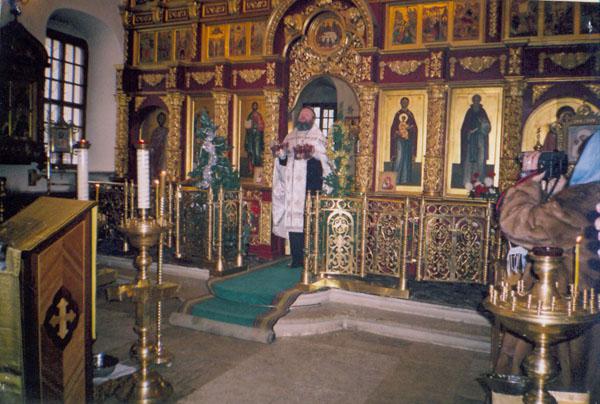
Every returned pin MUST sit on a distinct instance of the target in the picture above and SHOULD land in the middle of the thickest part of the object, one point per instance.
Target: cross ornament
(63, 319)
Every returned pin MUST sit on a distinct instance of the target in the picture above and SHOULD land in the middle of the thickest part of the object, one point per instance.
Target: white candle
(83, 191)
(143, 176)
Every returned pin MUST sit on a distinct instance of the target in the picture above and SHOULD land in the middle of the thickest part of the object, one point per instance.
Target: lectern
(46, 303)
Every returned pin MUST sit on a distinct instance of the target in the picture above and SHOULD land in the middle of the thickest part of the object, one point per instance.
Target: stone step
(335, 310)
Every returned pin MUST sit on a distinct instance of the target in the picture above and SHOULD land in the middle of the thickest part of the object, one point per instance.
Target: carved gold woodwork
(251, 75)
(172, 78)
(511, 137)
(174, 102)
(358, 18)
(400, 67)
(367, 98)
(433, 65)
(307, 64)
(538, 90)
(271, 73)
(119, 77)
(477, 64)
(151, 79)
(194, 35)
(566, 60)
(434, 155)
(493, 10)
(503, 64)
(514, 60)
(122, 140)
(201, 78)
(453, 66)
(272, 106)
(594, 88)
(234, 75)
(139, 100)
(219, 76)
(446, 257)
(264, 230)
(233, 6)
(222, 99)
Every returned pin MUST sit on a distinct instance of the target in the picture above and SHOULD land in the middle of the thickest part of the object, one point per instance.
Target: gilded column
(222, 99)
(511, 136)
(122, 139)
(433, 183)
(174, 155)
(272, 106)
(367, 97)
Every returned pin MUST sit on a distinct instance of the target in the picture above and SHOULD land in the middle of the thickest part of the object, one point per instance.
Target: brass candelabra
(145, 385)
(543, 316)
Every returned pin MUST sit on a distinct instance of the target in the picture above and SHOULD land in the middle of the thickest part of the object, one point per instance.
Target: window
(324, 115)
(65, 87)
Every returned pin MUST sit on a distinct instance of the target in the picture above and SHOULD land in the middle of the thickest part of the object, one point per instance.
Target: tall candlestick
(83, 191)
(577, 251)
(143, 175)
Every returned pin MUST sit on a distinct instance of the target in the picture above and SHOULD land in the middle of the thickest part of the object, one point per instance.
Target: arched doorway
(331, 98)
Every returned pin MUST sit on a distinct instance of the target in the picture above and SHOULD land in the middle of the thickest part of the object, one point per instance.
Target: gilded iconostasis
(442, 93)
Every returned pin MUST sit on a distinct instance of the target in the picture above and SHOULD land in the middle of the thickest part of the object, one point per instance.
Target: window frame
(65, 39)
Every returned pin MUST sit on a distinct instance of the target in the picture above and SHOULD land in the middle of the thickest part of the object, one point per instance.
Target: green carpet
(255, 298)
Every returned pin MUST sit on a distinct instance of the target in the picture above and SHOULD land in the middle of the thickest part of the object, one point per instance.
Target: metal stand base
(150, 389)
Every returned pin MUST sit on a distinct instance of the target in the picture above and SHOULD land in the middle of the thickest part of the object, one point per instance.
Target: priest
(300, 166)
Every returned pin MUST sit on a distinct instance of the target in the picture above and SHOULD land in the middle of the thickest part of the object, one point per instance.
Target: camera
(553, 164)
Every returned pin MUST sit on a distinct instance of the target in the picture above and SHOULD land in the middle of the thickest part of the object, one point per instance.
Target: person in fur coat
(528, 219)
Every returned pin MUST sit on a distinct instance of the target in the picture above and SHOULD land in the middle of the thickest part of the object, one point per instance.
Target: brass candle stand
(544, 317)
(145, 385)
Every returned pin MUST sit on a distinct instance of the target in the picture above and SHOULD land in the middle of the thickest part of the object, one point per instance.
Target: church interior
(140, 179)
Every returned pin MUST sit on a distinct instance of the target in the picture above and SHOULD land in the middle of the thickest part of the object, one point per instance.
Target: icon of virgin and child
(403, 145)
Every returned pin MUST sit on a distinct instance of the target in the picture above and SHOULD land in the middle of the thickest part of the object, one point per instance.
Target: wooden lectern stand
(46, 299)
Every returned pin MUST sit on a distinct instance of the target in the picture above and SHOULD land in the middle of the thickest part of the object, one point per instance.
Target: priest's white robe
(289, 181)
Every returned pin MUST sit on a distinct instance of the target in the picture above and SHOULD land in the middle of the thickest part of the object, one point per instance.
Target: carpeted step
(259, 287)
(228, 311)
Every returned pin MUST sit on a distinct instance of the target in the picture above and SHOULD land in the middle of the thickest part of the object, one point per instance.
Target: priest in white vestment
(300, 166)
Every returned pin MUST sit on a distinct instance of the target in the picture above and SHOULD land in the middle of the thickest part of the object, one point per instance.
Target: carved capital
(433, 65)
(271, 73)
(219, 76)
(272, 106)
(514, 60)
(122, 139)
(172, 78)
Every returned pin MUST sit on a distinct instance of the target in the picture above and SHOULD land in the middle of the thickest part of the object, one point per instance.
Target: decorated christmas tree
(340, 151)
(212, 167)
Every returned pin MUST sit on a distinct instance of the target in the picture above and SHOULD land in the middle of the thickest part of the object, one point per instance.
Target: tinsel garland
(212, 167)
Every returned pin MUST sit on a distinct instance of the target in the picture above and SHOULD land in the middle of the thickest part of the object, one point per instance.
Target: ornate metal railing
(370, 237)
(209, 227)
(359, 237)
(206, 227)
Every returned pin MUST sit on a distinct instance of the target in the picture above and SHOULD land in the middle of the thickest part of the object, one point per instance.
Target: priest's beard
(303, 125)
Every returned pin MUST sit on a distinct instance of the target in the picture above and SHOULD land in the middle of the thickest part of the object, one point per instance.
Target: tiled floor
(341, 367)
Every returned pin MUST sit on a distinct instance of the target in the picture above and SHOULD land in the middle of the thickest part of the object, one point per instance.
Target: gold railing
(375, 238)
(368, 237)
(209, 228)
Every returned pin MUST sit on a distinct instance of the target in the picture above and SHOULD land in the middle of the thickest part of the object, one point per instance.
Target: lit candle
(83, 191)
(143, 175)
(577, 251)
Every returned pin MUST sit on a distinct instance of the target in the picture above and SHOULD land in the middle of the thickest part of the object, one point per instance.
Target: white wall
(99, 23)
